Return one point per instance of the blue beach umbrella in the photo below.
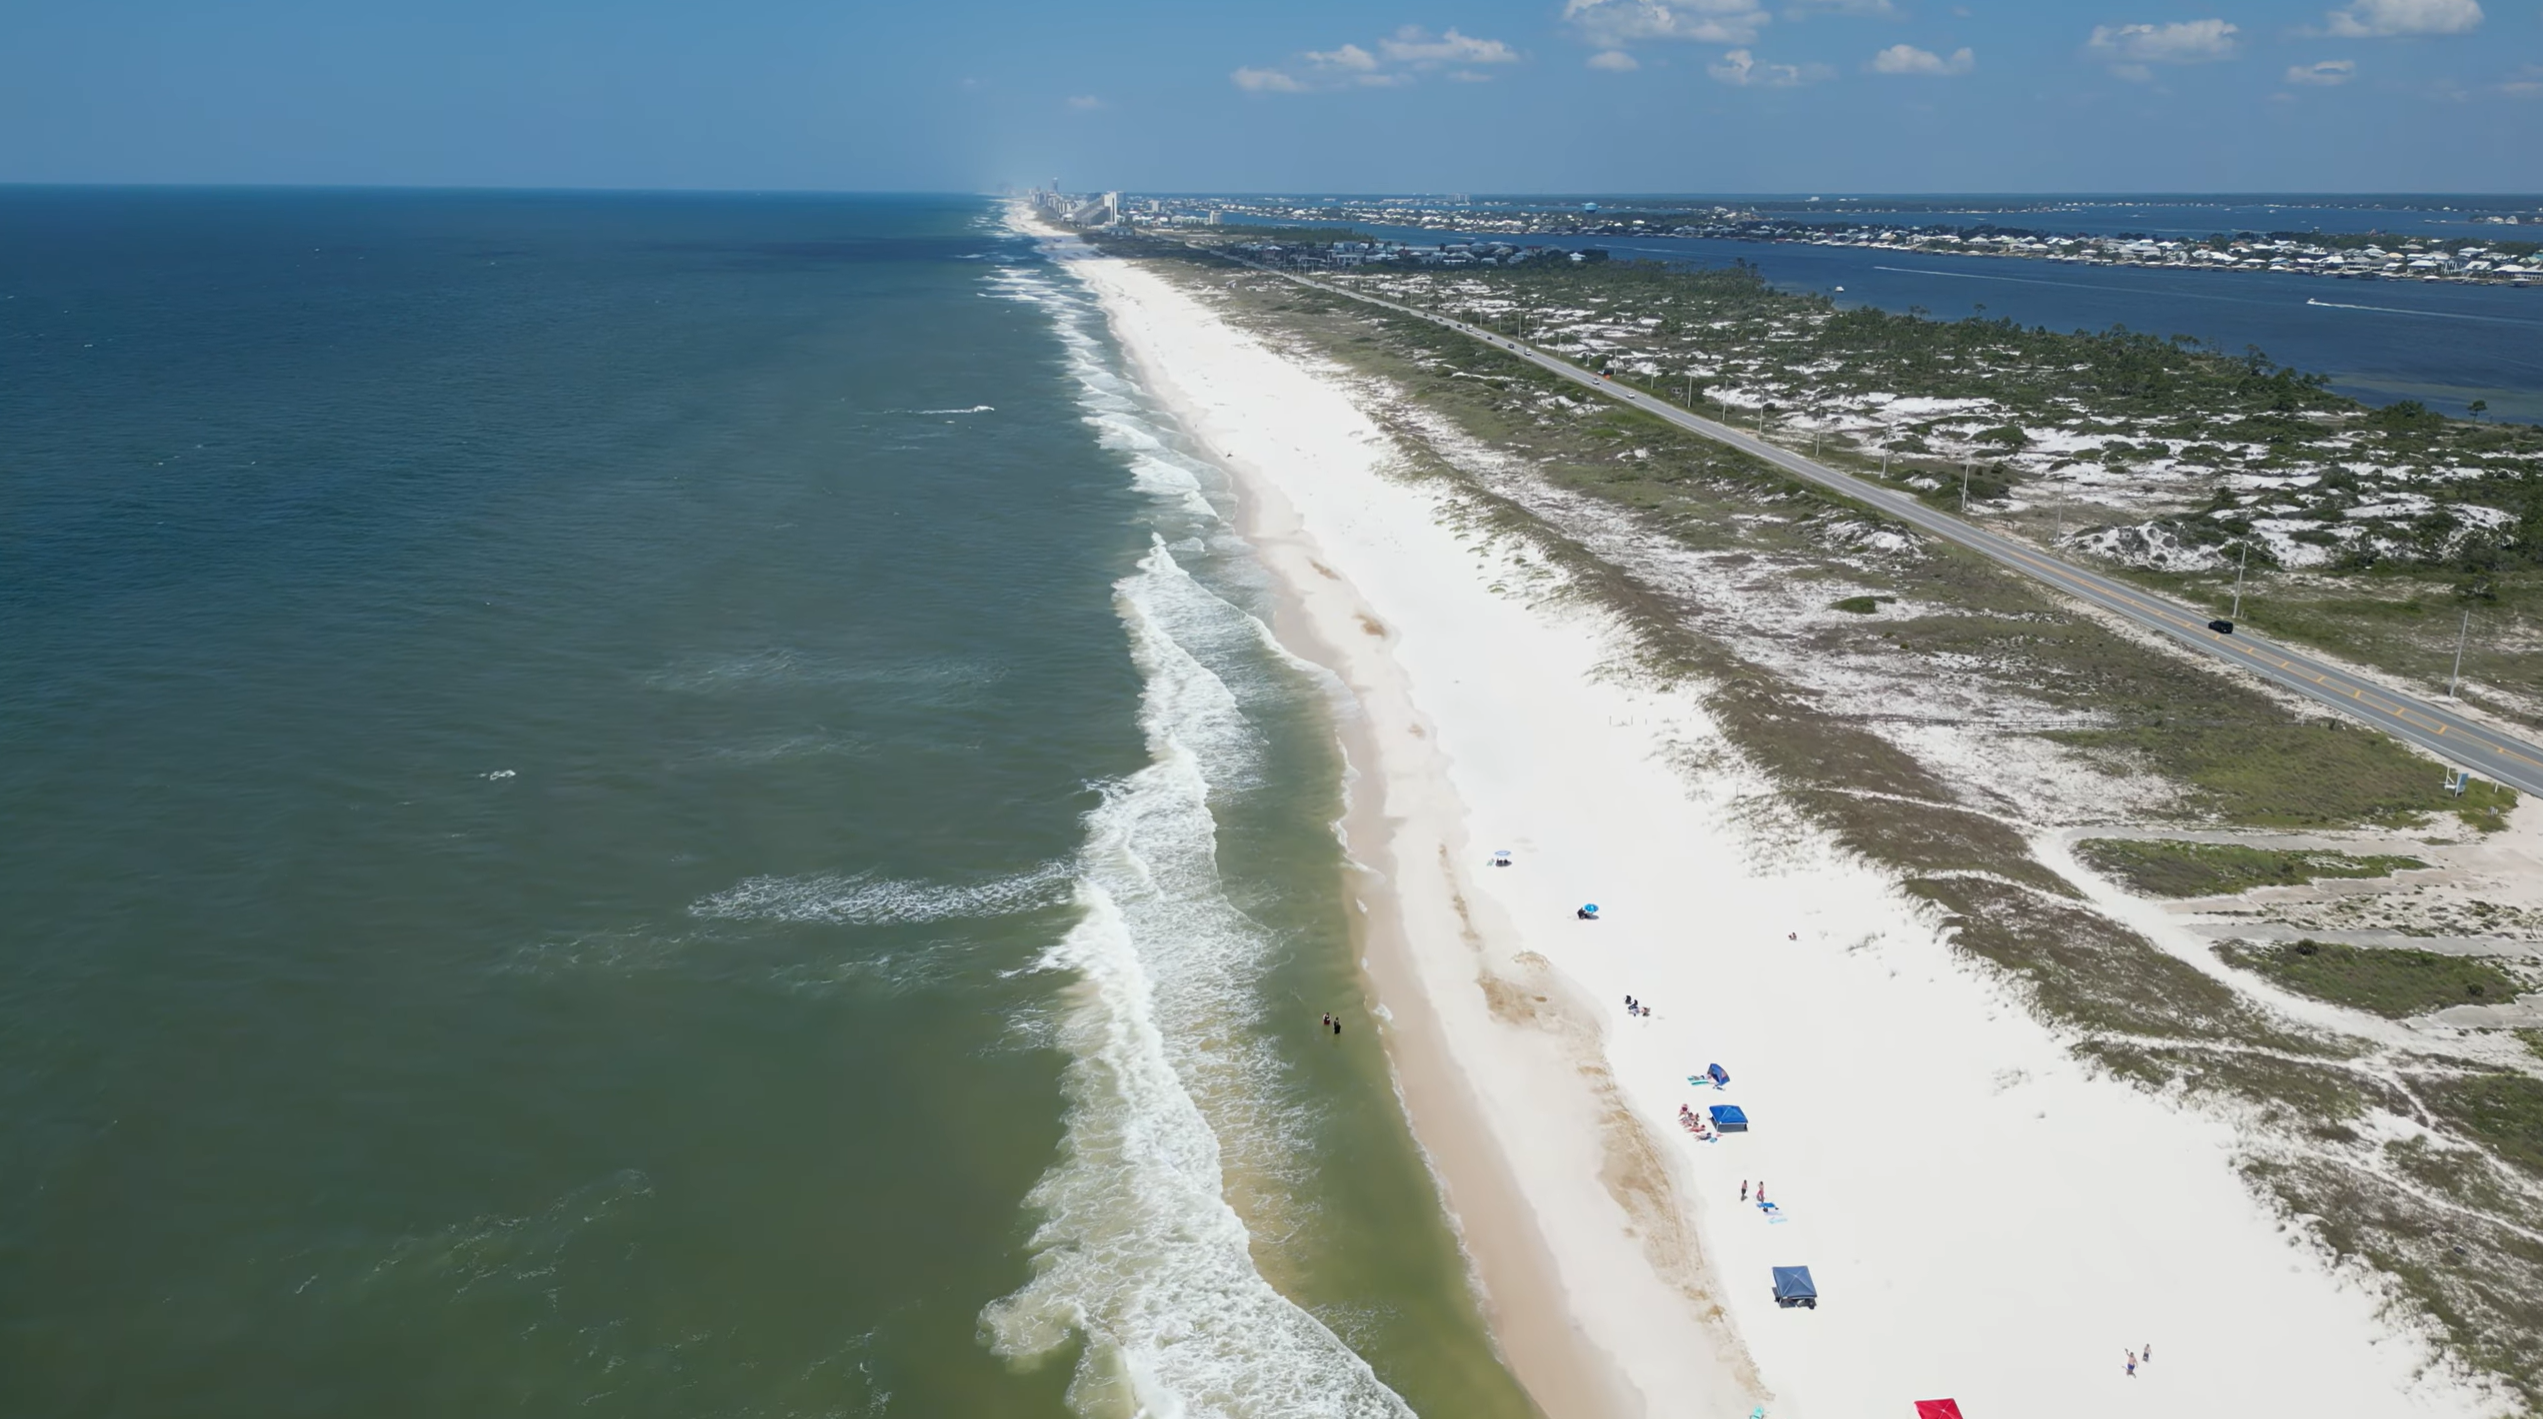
(1589, 907)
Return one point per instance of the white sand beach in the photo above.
(1985, 1220)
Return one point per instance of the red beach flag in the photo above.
(1938, 1409)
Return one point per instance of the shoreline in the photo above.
(1483, 710)
(1404, 834)
(1509, 1263)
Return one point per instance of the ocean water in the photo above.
(659, 806)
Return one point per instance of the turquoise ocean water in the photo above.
(658, 806)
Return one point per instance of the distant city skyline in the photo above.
(1498, 96)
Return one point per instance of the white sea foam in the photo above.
(865, 899)
(1139, 1252)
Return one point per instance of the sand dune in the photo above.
(1985, 1219)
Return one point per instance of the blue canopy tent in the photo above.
(1728, 1118)
(1793, 1287)
(1717, 1074)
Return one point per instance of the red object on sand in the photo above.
(1938, 1409)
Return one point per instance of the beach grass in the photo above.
(2165, 867)
(2479, 1279)
(2501, 1109)
(2389, 981)
(2288, 774)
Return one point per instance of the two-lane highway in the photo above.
(2464, 742)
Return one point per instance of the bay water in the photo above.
(659, 805)
(2380, 341)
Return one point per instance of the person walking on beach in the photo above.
(1743, 1189)
(2145, 1353)
(1761, 1191)
(1337, 1024)
(1327, 1020)
(2132, 1364)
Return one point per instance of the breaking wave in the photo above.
(1138, 1254)
(864, 899)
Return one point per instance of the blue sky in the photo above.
(1791, 96)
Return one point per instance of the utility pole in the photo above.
(1964, 487)
(2237, 613)
(2460, 637)
(1885, 463)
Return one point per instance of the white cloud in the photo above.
(1802, 9)
(1413, 45)
(2378, 19)
(1349, 56)
(1614, 24)
(1084, 103)
(2129, 50)
(1908, 59)
(1615, 59)
(1393, 64)
(1266, 81)
(2324, 74)
(1741, 69)
(2527, 84)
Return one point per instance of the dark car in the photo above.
(2222, 628)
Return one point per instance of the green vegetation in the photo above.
(2503, 1110)
(2392, 983)
(1860, 605)
(2299, 775)
(2155, 452)
(2474, 1274)
(2484, 807)
(2088, 970)
(2169, 868)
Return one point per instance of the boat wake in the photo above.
(2430, 314)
